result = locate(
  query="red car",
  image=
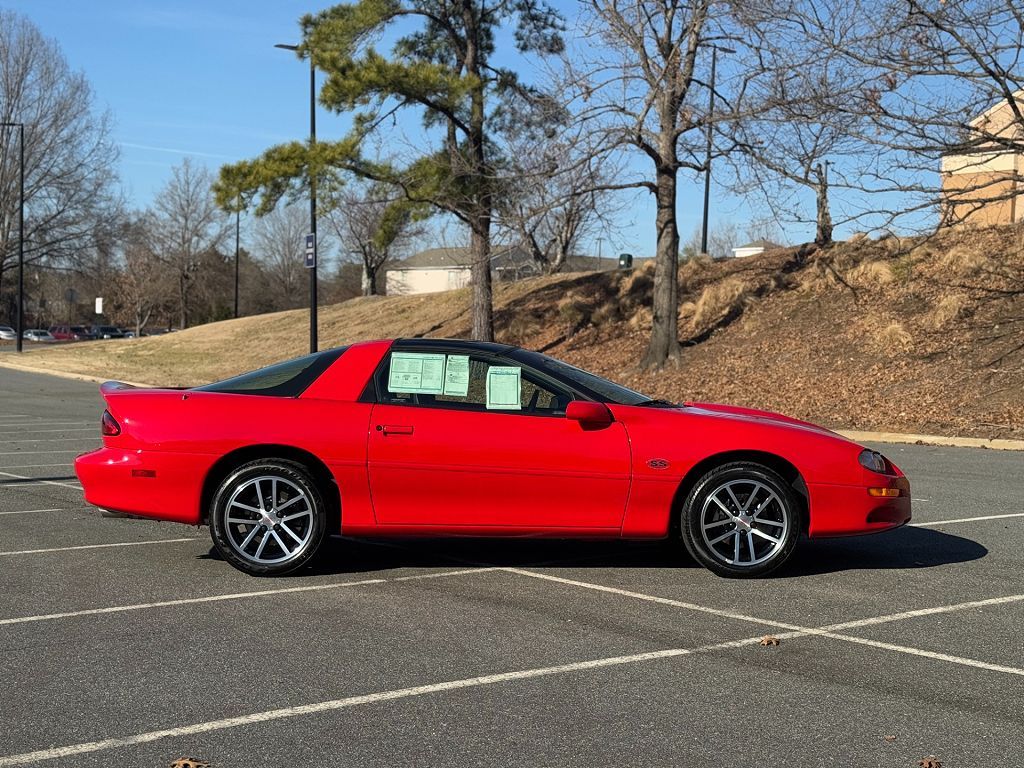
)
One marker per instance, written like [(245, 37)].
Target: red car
[(458, 438), (71, 333)]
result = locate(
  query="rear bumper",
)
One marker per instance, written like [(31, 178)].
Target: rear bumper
[(848, 510), (155, 484)]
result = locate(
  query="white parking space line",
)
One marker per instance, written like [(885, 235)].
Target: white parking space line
[(442, 687), (236, 595), (67, 464), (965, 520), (36, 453), (31, 511), (96, 546), (653, 599), (926, 654), (918, 613), (81, 439), (34, 425), (826, 631), (35, 481), (354, 701), (47, 431)]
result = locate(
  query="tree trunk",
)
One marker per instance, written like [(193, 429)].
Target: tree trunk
[(664, 345), (480, 251), (369, 280), (823, 235), (183, 300)]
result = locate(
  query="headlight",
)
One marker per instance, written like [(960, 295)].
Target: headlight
[(874, 461)]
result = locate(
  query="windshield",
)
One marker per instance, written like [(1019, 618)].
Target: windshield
[(602, 389)]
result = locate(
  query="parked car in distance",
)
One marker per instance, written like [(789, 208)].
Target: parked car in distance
[(7, 333), (37, 334), (107, 332), (72, 333)]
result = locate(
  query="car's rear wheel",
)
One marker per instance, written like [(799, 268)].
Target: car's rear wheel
[(741, 520), (268, 517)]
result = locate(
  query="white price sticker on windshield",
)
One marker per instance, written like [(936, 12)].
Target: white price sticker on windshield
[(416, 372), (503, 387)]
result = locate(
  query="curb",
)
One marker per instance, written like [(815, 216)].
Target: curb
[(997, 444), (955, 442)]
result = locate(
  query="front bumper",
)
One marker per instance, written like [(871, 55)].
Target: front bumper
[(155, 484), (848, 510)]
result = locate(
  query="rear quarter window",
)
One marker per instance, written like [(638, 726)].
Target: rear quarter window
[(288, 379)]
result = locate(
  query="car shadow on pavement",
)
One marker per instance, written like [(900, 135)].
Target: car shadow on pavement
[(894, 550)]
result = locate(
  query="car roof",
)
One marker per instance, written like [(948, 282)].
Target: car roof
[(456, 344)]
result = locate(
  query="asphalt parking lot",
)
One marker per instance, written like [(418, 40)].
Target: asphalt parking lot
[(128, 643)]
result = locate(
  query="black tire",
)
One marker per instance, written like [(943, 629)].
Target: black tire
[(290, 539), (765, 527)]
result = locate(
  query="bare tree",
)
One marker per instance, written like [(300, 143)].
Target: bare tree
[(641, 80), (561, 197), (279, 245), (791, 127), (186, 224), (69, 155), (930, 87), (373, 222), (141, 286)]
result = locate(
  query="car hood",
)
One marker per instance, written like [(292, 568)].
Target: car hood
[(753, 415)]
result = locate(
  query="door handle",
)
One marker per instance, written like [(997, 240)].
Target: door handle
[(394, 429)]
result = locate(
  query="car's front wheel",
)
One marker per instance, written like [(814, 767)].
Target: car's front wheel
[(741, 519), (268, 517)]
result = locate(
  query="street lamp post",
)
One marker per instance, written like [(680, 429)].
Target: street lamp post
[(707, 162), (238, 227), (312, 198), (19, 342)]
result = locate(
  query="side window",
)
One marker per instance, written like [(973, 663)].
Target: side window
[(467, 382)]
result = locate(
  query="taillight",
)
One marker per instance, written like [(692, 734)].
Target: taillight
[(108, 426)]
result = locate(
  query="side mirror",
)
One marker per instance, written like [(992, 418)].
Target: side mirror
[(588, 413)]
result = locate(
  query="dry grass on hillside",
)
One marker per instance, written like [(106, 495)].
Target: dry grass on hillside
[(920, 335)]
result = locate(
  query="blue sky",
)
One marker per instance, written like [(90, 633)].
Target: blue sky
[(202, 79)]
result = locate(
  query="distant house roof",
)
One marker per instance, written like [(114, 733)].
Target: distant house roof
[(993, 112), (767, 245), (503, 257), (461, 258)]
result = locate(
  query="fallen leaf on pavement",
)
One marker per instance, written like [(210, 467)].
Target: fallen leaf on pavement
[(890, 738), (189, 762), (770, 640), (930, 762)]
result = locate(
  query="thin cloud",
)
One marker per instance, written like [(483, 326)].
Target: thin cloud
[(176, 151)]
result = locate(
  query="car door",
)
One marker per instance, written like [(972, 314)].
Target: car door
[(464, 439)]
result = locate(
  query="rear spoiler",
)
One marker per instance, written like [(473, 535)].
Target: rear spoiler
[(109, 387)]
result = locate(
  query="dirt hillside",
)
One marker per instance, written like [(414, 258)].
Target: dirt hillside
[(923, 335)]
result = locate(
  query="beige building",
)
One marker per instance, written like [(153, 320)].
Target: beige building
[(985, 186), (755, 248), (445, 269)]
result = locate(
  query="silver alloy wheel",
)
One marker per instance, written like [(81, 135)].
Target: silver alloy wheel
[(268, 520), (744, 523)]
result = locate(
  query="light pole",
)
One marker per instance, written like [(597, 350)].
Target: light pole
[(707, 162), (238, 227), (600, 260), (19, 342), (312, 196)]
